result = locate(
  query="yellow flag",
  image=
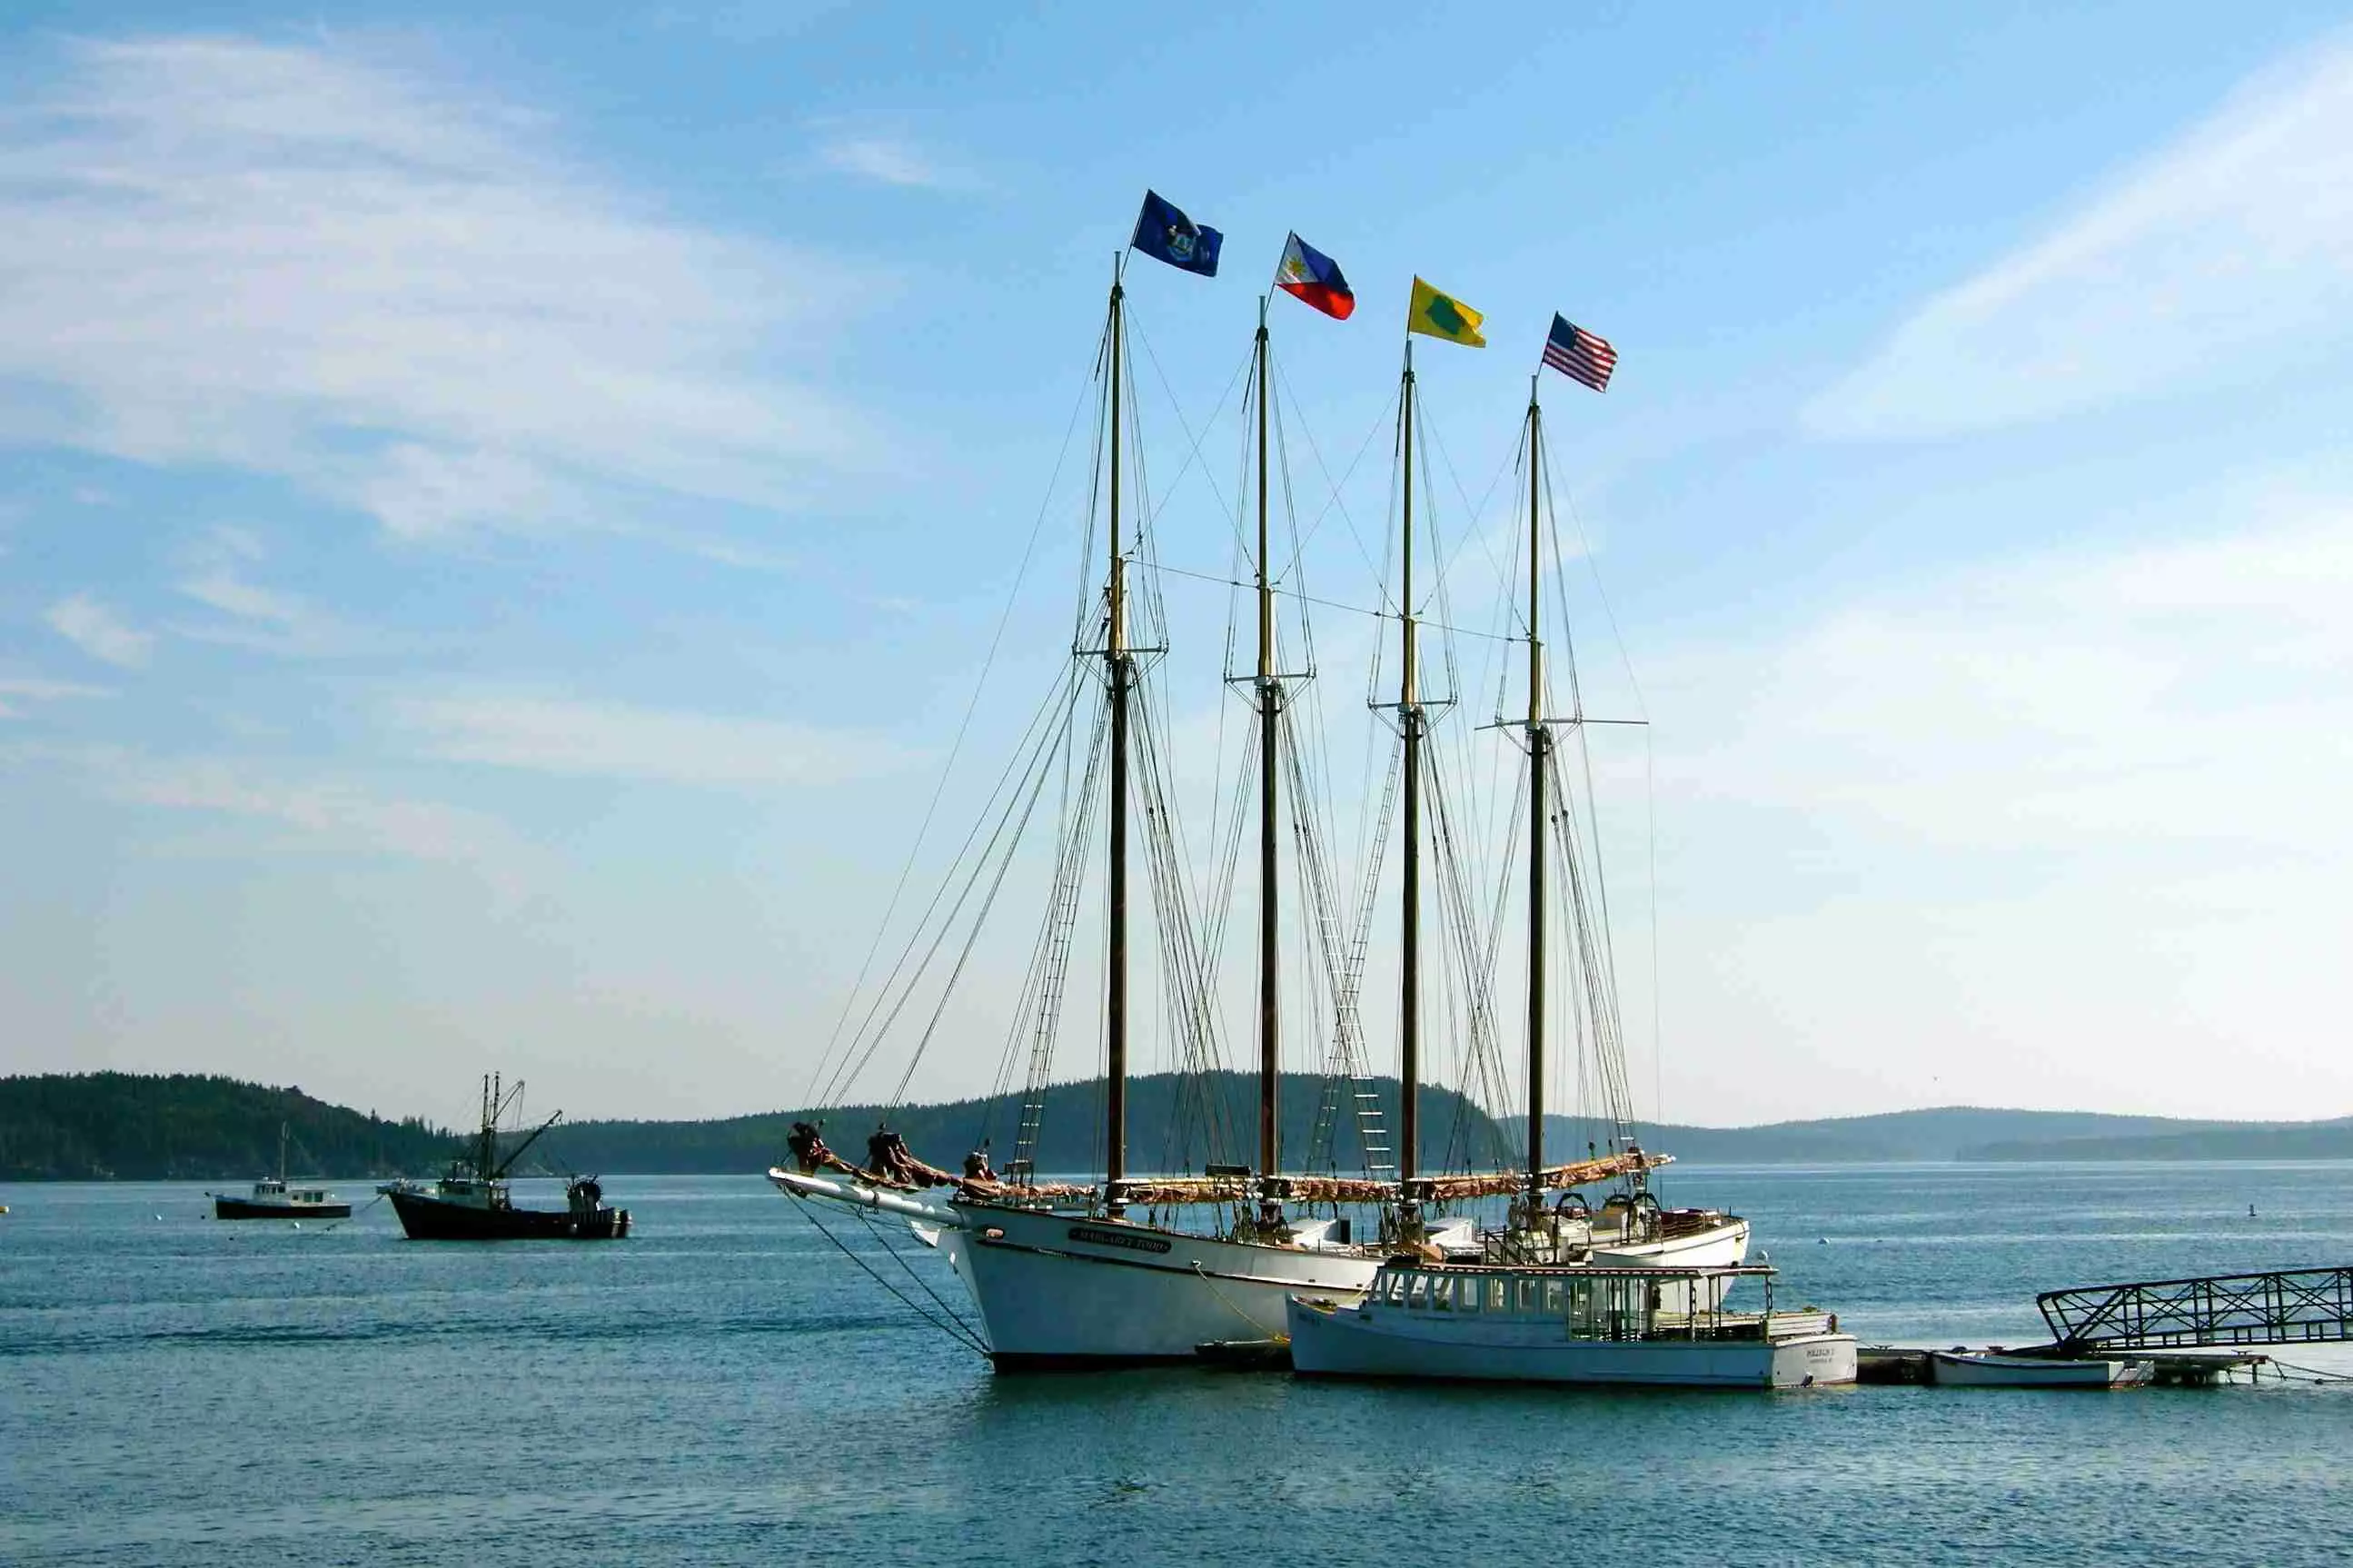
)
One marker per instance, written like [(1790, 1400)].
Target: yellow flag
[(1441, 315)]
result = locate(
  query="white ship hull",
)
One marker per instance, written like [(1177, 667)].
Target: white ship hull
[(1722, 1246), (1068, 1291)]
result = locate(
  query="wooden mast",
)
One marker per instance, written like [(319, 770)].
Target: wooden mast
[(1270, 707), (1409, 718), (1119, 669), (1539, 774)]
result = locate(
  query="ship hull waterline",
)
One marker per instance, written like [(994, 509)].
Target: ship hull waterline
[(245, 1208), (1066, 1292)]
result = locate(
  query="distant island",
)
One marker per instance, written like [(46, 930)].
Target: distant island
[(139, 1127)]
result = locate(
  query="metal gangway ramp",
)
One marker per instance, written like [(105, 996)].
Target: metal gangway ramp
[(2295, 1306)]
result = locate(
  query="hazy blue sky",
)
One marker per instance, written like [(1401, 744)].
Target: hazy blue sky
[(502, 508)]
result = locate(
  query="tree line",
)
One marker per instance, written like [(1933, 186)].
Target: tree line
[(184, 1127), (106, 1126)]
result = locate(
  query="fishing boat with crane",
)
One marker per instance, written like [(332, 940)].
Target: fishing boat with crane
[(474, 1200)]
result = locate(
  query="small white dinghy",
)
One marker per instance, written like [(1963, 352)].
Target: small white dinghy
[(1968, 1369)]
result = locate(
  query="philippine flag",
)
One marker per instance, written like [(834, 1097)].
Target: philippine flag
[(1308, 274)]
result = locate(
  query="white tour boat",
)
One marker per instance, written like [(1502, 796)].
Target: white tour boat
[(1574, 1325)]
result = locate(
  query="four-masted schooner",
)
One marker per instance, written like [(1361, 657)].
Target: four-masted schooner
[(1070, 1274)]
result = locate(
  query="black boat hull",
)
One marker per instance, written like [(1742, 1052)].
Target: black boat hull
[(241, 1208), (427, 1218)]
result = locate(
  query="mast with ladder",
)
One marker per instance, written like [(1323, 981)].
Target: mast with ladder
[(1410, 727), (1270, 717), (1539, 776), (1119, 669)]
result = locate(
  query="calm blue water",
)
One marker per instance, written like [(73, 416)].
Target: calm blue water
[(724, 1387)]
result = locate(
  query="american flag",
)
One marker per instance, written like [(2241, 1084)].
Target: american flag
[(1580, 356)]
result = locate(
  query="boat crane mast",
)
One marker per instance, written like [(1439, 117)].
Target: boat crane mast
[(495, 1099)]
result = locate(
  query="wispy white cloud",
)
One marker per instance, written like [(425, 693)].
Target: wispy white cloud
[(219, 574), (16, 691), (225, 591), (98, 632), (889, 160), (312, 262), (750, 557), (2235, 241), (2183, 691), (2063, 828), (562, 735), (318, 812)]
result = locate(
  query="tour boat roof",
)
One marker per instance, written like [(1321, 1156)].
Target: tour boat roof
[(1581, 1270)]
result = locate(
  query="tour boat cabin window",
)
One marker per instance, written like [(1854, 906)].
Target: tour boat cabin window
[(1418, 1290)]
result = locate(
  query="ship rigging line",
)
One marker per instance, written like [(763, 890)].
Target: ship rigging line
[(1650, 764), (955, 748), (1038, 738), (1385, 420), (952, 1326), (1152, 509), (1425, 624), (882, 1236), (2314, 1373)]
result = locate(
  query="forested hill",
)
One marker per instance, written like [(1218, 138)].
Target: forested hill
[(1173, 1124), (136, 1127), (96, 1126)]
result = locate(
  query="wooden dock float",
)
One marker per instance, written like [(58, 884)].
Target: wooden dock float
[(1891, 1364)]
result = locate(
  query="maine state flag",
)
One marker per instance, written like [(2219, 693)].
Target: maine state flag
[(1164, 234)]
